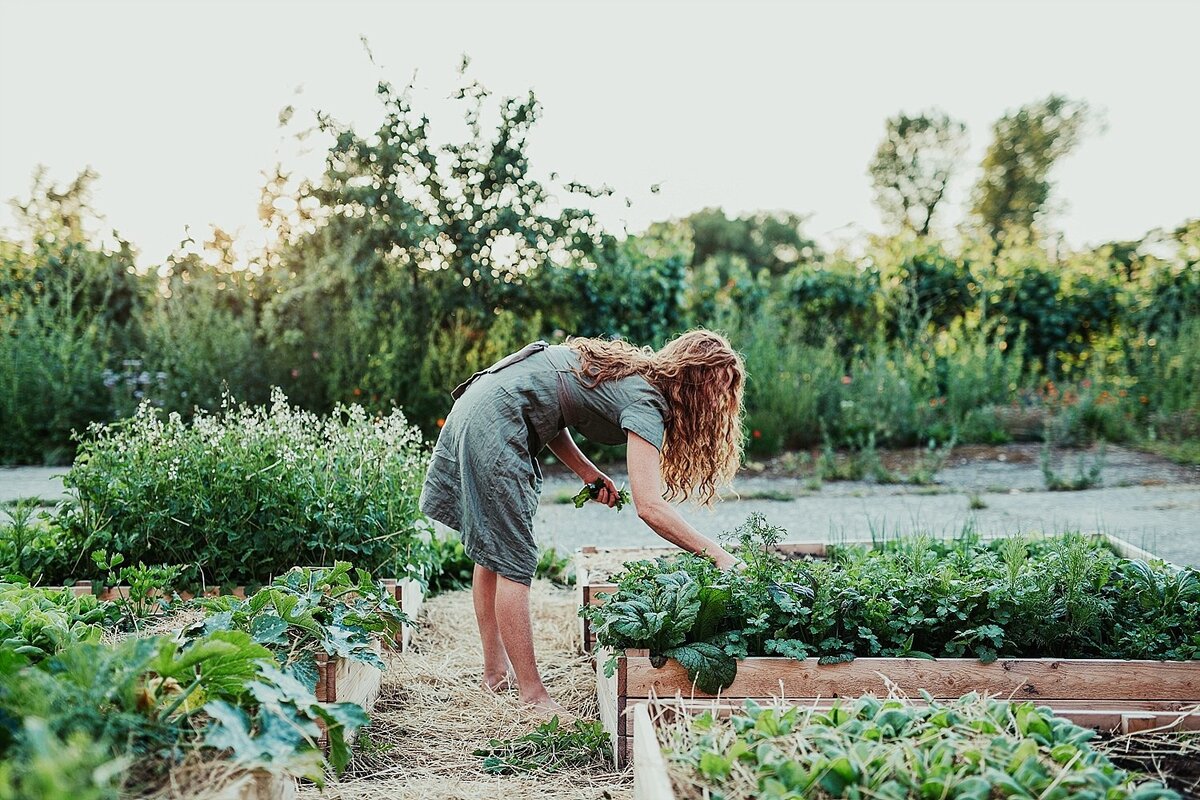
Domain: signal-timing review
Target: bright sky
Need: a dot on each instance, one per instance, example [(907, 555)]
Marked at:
[(737, 104)]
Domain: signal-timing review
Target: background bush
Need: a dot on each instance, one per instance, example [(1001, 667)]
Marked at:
[(246, 493)]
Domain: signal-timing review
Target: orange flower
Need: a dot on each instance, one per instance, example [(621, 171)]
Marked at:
[(756, 434), (1144, 400), (846, 380), (441, 422), (1123, 393), (357, 392)]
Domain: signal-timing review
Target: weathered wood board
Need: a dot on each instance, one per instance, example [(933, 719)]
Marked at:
[(259, 784)]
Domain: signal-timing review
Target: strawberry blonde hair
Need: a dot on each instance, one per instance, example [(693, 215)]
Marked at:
[(702, 378)]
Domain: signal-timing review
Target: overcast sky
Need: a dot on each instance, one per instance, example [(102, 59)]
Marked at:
[(737, 104)]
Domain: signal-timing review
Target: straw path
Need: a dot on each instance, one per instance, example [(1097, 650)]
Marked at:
[(432, 713)]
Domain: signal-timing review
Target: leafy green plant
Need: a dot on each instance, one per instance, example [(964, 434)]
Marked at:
[(139, 588), (151, 702), (1067, 596), (973, 748), (338, 612), (1088, 475), (591, 491), (554, 567), (240, 496), (37, 623), (548, 748)]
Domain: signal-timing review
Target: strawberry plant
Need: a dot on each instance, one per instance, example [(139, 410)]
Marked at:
[(1066, 597)]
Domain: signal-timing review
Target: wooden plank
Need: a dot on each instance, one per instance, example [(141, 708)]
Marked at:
[(411, 596), (650, 778), (1025, 679), (341, 680), (1127, 550), (259, 784), (581, 592), (606, 696)]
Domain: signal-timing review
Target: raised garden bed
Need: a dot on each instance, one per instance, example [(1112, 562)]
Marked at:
[(594, 567), (1093, 628), (1095, 693)]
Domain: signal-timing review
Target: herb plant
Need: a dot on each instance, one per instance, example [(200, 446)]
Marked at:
[(973, 748), (242, 495), (1065, 597)]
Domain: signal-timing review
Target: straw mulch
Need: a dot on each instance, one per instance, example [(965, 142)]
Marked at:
[(432, 713)]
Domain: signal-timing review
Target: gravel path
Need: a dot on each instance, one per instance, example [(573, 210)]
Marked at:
[(1146, 500)]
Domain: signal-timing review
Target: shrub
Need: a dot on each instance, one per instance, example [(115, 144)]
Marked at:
[(246, 493)]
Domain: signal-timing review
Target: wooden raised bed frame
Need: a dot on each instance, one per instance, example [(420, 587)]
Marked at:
[(587, 589)]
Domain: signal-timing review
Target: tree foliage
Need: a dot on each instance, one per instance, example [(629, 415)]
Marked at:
[(1014, 188), (913, 165)]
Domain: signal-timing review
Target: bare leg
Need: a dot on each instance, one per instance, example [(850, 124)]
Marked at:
[(495, 659), (512, 614)]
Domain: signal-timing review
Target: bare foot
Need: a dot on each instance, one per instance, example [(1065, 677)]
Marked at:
[(498, 682), (546, 705)]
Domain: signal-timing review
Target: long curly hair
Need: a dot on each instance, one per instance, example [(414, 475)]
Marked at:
[(702, 377)]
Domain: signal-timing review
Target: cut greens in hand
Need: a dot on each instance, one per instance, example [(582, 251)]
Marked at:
[(591, 491)]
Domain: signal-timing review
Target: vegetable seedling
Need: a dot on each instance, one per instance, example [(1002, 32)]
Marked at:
[(591, 491)]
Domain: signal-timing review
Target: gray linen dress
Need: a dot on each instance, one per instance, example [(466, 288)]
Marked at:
[(483, 479)]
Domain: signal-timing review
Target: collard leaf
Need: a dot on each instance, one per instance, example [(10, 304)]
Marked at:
[(714, 600), (708, 666)]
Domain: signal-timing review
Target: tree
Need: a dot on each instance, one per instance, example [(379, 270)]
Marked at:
[(1015, 185), (913, 165), (774, 241), (403, 238)]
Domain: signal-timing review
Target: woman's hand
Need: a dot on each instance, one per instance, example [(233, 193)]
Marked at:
[(608, 494), (726, 561)]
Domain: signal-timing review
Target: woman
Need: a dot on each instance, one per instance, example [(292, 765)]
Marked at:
[(678, 409)]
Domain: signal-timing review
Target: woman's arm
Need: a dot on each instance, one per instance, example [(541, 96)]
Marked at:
[(564, 447), (645, 483)]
